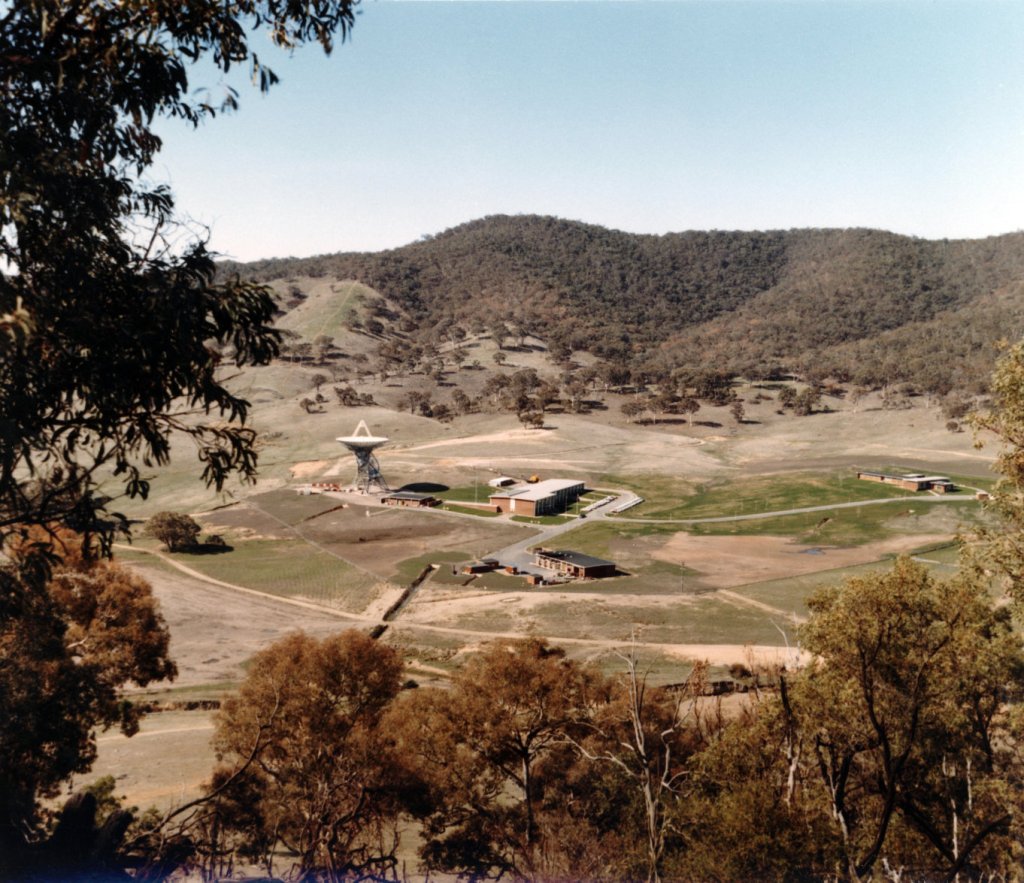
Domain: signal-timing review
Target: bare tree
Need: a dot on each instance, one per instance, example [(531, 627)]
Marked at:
[(648, 735)]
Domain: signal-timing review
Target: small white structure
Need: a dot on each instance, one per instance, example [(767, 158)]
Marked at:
[(501, 481)]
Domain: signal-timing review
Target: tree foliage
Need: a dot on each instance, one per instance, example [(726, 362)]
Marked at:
[(1001, 547), (174, 530), (305, 731), (893, 751), (113, 331), (900, 709), (488, 753), (863, 305), (65, 652), (113, 323)]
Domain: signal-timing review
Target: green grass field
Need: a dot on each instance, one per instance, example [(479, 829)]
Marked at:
[(406, 571), (497, 580), (327, 311), (668, 498), (854, 526), (469, 510), (790, 593), (291, 569), (543, 519), (595, 538)]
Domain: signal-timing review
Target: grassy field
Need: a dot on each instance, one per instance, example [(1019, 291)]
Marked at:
[(293, 508), (327, 310), (854, 526), (790, 594), (595, 538), (675, 498), (469, 510), (770, 494), (543, 519), (291, 569), (408, 570)]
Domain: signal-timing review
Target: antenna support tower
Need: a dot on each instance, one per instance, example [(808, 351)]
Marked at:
[(362, 444)]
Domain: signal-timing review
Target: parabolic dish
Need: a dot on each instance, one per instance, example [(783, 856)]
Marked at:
[(362, 441)]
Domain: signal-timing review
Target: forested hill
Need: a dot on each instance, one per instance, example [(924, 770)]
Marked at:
[(870, 306)]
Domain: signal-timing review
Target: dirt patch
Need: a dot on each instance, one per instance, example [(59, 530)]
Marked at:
[(504, 437), (248, 521), (215, 630), (308, 468), (737, 561)]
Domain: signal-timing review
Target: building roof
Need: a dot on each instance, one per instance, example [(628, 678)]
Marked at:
[(570, 557), (541, 489), (912, 476)]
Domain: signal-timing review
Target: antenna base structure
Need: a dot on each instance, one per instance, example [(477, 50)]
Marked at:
[(362, 444)]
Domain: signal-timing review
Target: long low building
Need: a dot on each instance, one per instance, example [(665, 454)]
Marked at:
[(543, 498), (410, 499), (575, 564), (911, 482)]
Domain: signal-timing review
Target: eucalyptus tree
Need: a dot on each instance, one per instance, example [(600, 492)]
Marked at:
[(113, 323)]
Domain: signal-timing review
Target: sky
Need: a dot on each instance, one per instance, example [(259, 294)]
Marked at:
[(649, 117)]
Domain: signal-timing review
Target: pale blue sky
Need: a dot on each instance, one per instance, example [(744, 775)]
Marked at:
[(643, 116)]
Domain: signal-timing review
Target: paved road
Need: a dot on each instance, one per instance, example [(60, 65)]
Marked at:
[(517, 553)]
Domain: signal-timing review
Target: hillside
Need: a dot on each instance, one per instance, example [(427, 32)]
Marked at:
[(866, 306)]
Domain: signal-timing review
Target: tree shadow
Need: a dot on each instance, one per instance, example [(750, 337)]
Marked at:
[(209, 548)]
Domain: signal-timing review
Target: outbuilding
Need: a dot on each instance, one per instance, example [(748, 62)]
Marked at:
[(574, 564), (914, 481), (410, 499)]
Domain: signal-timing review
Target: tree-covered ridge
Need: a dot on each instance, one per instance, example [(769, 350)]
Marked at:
[(751, 302)]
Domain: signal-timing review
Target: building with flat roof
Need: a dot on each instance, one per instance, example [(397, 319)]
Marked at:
[(914, 481), (408, 498), (574, 564), (543, 498)]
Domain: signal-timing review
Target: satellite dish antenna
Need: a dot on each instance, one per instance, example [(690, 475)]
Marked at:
[(362, 443)]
